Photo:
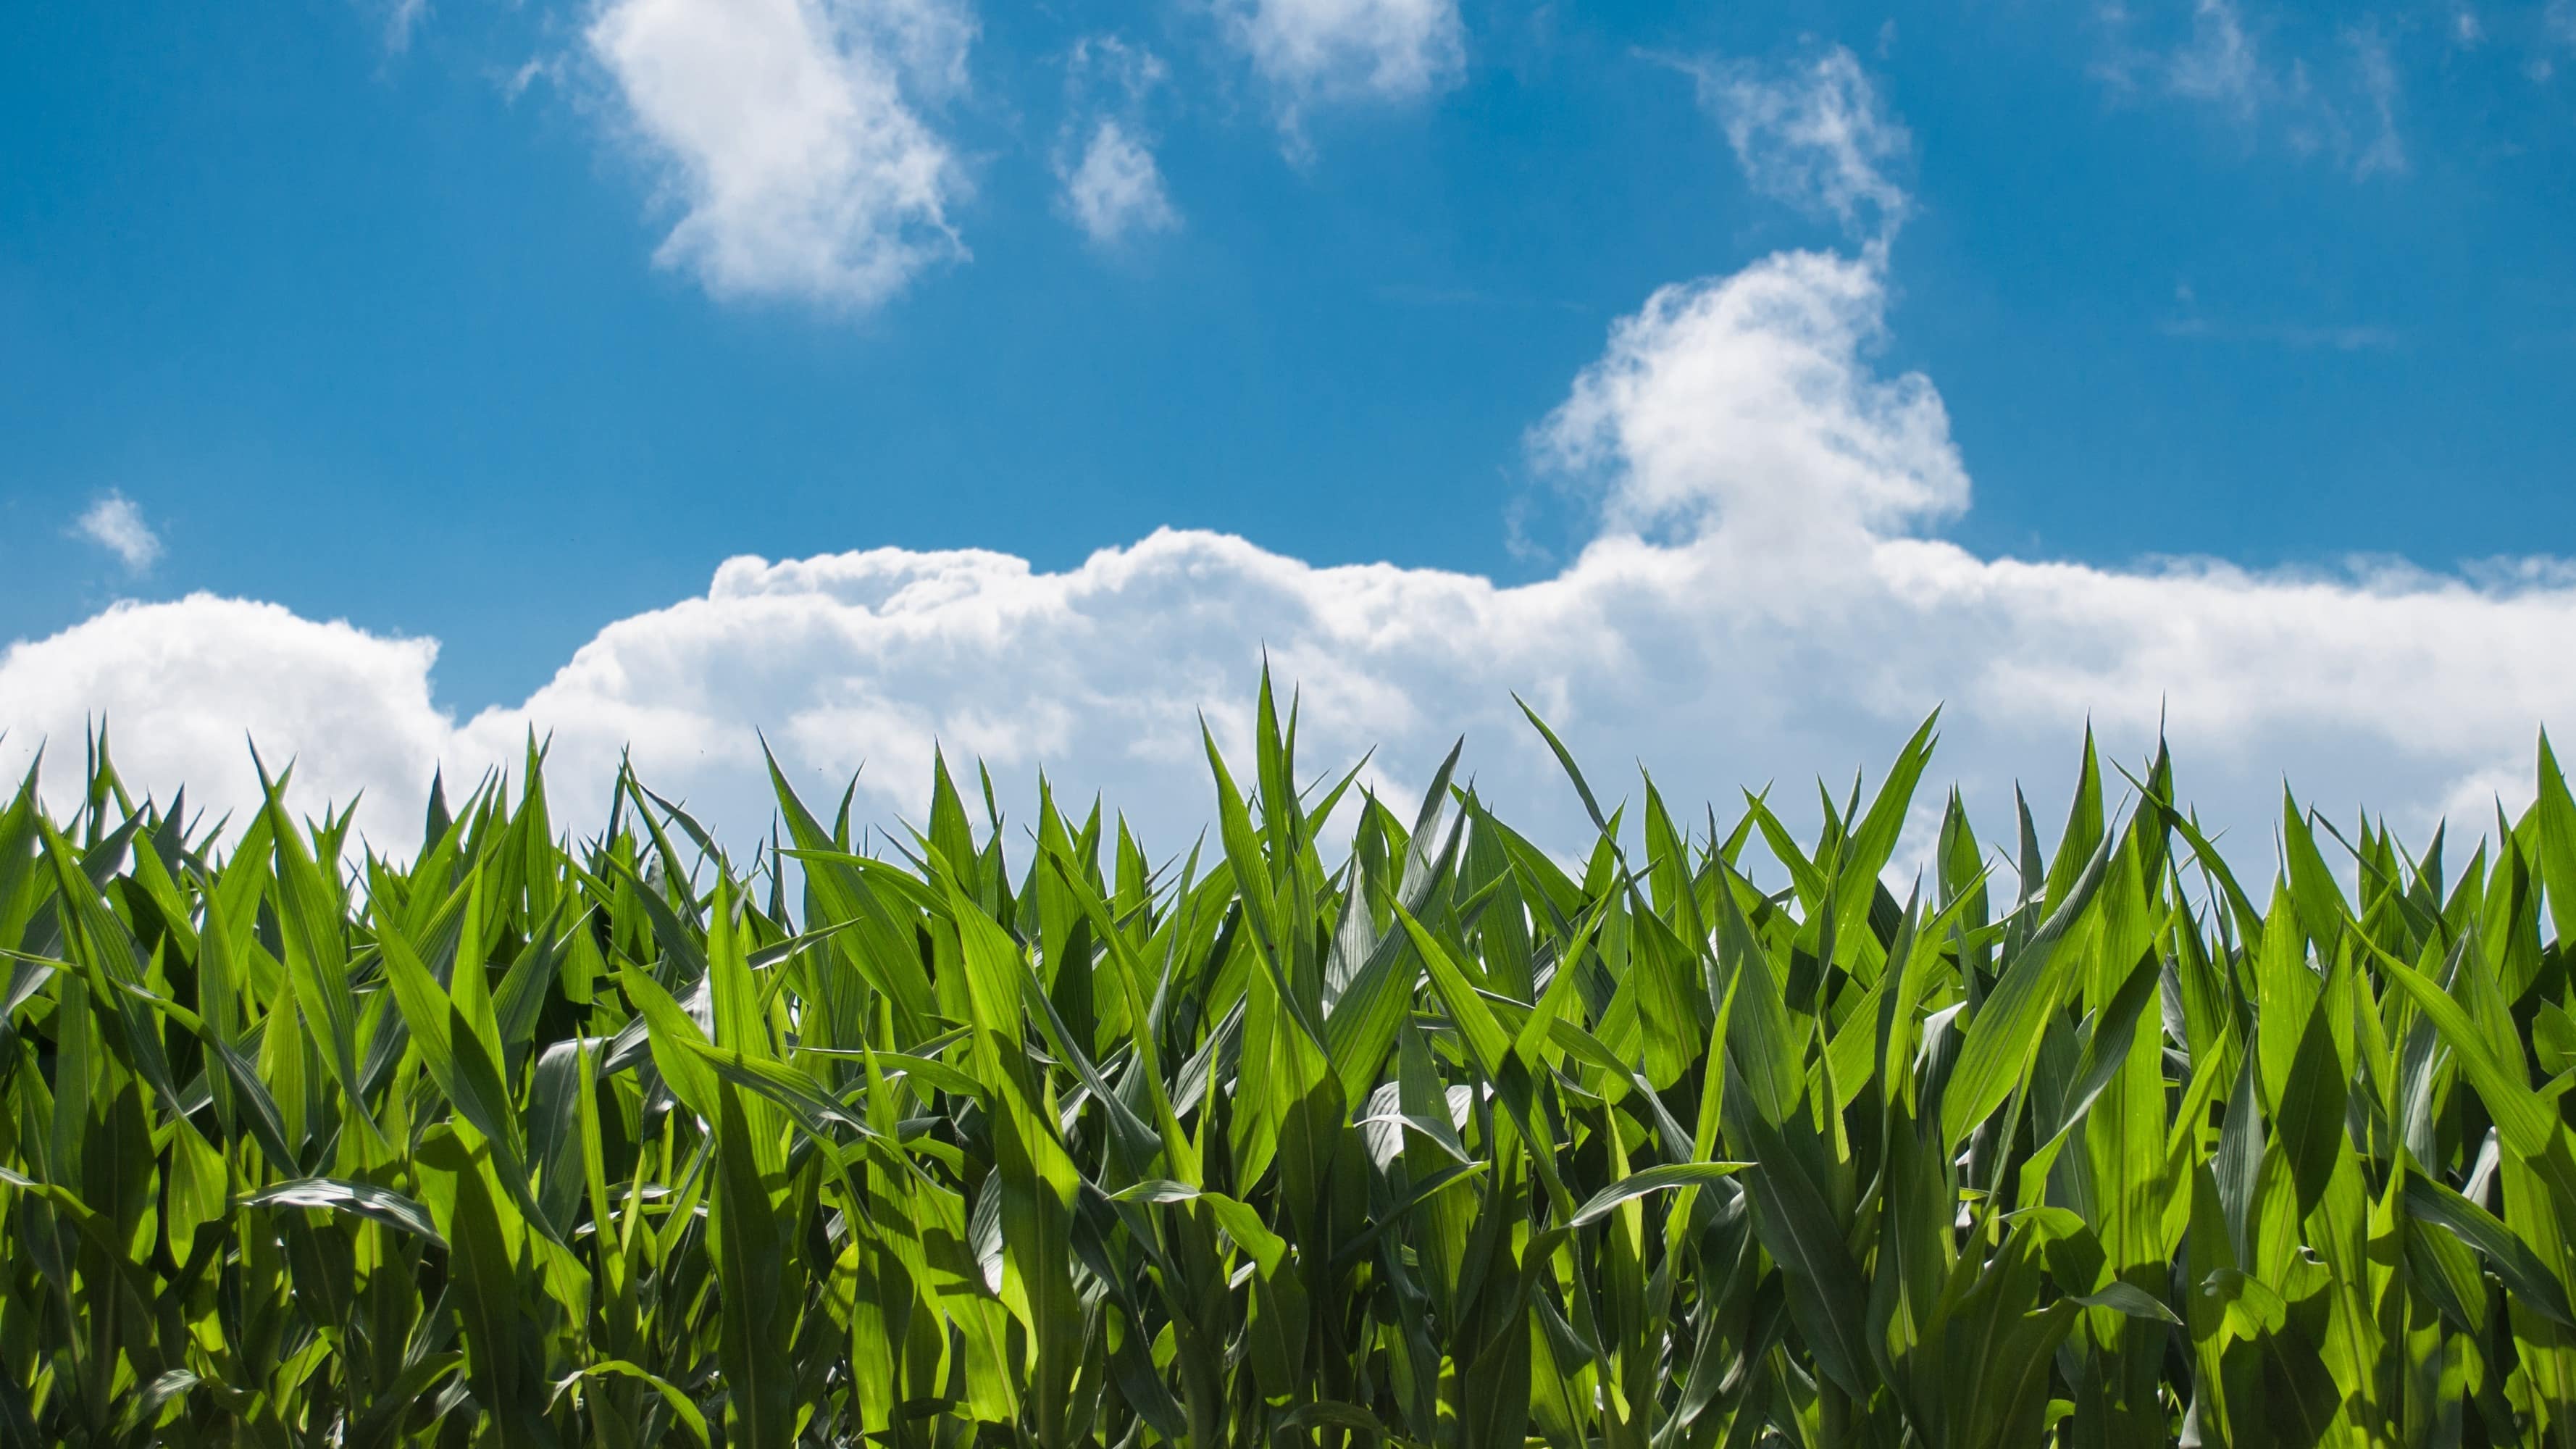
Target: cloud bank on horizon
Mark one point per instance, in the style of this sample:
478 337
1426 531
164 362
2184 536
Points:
1766 597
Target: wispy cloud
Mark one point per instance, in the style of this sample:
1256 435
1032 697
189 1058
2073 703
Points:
1812 133
547 66
2338 95
2557 32
2220 62
2349 338
402 18
1320 53
1109 183
1116 191
115 524
2385 152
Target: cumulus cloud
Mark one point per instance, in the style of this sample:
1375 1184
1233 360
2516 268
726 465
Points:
115 524
185 685
790 136
1329 52
1740 409
1767 598
1815 135
2414 692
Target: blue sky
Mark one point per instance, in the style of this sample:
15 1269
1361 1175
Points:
364 332
439 320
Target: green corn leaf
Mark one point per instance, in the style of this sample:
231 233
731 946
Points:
1654 1179
682 1408
2005 1032
357 1199
1361 1135
2510 1258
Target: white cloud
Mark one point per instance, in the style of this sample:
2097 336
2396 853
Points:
1814 134
1764 600
2271 83
789 135
1110 185
402 17
115 524
1110 62
184 685
545 66
2386 151
1739 409
1327 52
1116 191
2220 63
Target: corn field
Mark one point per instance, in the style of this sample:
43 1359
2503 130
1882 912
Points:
1004 1133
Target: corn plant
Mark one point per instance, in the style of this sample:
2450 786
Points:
990 1133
